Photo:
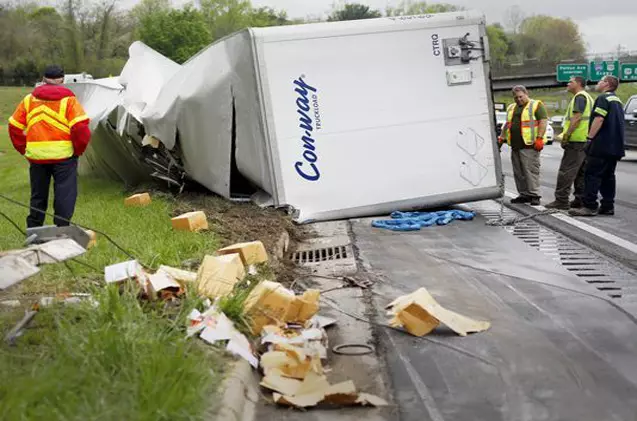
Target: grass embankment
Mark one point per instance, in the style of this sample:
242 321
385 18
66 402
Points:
122 359
625 91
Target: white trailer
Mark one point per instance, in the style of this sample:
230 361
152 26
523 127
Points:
334 120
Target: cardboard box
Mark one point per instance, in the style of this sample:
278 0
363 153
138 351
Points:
304 307
251 253
191 221
140 199
268 303
218 275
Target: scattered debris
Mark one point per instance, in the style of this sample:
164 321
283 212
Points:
218 275
140 199
44 234
92 239
161 281
16 331
191 221
251 253
419 313
18 265
213 326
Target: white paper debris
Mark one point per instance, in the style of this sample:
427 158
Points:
162 280
240 347
123 271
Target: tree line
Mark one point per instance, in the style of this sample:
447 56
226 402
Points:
93 36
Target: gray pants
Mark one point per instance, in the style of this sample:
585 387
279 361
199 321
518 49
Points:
526 170
570 167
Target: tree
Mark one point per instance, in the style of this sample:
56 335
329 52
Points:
353 11
177 34
410 7
514 18
498 44
550 40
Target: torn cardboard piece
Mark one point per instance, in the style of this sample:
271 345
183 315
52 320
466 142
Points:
15 269
124 271
161 281
419 313
276 382
218 275
179 275
251 253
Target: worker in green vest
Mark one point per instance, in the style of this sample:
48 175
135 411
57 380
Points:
576 124
525 132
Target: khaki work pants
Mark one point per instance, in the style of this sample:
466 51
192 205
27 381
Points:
526 170
572 160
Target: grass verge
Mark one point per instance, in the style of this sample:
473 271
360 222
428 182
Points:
625 91
115 360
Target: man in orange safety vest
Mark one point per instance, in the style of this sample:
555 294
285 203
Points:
50 128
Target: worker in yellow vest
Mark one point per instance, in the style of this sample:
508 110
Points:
525 133
576 125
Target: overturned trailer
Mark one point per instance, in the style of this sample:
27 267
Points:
332 120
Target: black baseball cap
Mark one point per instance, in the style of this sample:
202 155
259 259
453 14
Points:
53 72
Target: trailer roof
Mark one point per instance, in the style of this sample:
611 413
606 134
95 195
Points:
386 24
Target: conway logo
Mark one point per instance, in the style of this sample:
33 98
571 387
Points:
307 100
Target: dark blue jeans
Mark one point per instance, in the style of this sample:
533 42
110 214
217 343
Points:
64 176
599 178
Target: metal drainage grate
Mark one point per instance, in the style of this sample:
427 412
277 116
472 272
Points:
325 254
597 270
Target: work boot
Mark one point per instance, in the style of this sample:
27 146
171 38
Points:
521 199
535 201
607 211
576 203
557 205
582 212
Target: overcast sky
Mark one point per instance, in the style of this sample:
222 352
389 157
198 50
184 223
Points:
604 24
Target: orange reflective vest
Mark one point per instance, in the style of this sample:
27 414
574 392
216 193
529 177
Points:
530 126
47 126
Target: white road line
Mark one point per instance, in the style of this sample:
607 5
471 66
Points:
620 242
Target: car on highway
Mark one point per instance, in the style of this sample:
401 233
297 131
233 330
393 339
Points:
630 118
556 122
501 118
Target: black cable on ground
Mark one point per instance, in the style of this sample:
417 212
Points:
108 238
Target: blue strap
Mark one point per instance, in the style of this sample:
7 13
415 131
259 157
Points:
414 221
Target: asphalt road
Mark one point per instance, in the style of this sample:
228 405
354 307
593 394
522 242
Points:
623 224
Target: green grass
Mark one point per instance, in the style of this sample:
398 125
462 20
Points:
625 91
145 232
121 360
113 361
9 99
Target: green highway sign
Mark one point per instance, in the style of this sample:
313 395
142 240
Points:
629 72
599 69
566 71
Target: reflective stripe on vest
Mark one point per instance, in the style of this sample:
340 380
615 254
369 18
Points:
528 123
49 150
48 131
581 132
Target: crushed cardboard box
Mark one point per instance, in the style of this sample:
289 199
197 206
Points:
160 281
303 307
140 199
191 221
124 271
419 313
251 253
268 303
218 275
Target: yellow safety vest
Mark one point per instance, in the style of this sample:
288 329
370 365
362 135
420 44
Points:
530 126
581 132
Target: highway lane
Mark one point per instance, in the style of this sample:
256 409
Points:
623 224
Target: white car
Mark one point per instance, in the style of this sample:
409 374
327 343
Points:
550 134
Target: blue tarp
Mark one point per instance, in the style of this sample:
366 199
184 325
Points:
414 221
